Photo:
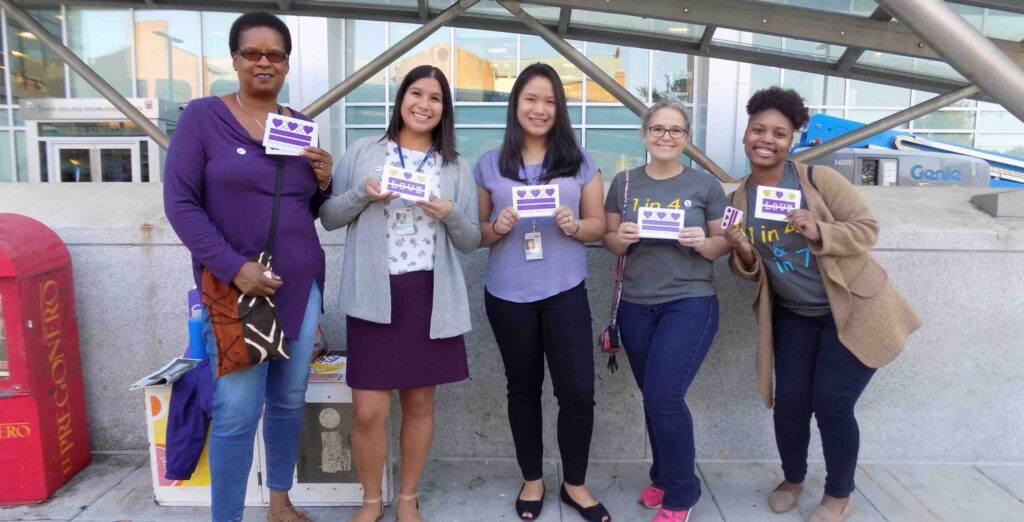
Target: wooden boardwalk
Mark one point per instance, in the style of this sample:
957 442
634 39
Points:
117 488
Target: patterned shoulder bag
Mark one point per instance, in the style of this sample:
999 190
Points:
609 341
247 330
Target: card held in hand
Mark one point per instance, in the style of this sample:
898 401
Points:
660 223
535 201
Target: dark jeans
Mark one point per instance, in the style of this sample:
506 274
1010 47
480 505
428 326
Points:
666 344
815 373
558 328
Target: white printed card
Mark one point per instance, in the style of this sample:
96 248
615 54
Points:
775 203
289 135
733 217
408 184
660 223
535 201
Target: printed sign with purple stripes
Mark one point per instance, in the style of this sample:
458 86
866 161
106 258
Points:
660 223
535 201
288 136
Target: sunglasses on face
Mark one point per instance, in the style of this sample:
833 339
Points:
254 55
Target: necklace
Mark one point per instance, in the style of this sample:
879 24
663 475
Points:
239 100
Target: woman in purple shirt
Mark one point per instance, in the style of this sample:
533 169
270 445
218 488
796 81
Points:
218 196
535 297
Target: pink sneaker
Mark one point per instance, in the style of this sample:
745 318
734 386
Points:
665 515
651 497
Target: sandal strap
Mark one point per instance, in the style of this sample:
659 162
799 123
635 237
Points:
301 514
377 500
413 496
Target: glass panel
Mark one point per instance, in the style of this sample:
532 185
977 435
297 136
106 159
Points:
865 94
361 115
477 115
836 92
21 155
473 143
906 63
167 54
946 120
672 76
491 8
106 47
576 116
616 150
436 50
360 49
35 72
144 160
74 165
1012 144
4 119
956 139
810 86
1004 25
352 135
922 96
533 49
116 165
792 46
835 6
485 65
621 22
627 65
6 166
871 115
762 77
3 75
611 116
1000 121
18 122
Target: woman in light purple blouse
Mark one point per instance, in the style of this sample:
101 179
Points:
535 297
218 196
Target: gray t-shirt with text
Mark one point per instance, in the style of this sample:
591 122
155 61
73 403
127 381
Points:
662 270
792 269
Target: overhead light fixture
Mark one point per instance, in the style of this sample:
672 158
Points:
678 29
26 34
497 50
19 54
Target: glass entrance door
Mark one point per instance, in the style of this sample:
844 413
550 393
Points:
95 162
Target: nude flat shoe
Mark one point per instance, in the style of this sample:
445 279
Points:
824 514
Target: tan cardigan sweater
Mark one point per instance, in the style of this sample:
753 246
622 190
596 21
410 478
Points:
872 320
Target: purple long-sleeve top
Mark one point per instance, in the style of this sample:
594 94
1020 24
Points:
218 197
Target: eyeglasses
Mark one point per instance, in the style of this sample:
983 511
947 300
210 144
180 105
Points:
675 132
254 55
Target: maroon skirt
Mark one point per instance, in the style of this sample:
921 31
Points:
402 354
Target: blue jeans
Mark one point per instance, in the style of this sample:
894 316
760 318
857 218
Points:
666 344
815 373
238 399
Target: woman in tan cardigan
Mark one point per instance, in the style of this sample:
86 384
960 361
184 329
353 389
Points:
827 315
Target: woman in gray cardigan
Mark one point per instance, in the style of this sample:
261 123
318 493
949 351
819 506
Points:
402 287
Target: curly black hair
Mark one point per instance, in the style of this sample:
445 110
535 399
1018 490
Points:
786 101
258 19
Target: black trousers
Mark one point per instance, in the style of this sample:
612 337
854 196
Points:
558 328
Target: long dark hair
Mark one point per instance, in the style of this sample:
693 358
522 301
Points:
563 157
443 135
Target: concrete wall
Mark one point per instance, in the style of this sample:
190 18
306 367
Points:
956 394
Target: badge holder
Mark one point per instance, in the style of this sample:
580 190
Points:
405 221
533 245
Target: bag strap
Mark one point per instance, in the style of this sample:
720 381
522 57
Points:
620 264
277 206
810 176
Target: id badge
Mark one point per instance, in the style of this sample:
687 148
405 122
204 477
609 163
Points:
533 246
405 221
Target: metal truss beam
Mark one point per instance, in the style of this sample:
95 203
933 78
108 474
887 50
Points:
852 54
964 48
76 64
884 124
782 20
386 58
604 80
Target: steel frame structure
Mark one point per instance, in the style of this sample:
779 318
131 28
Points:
928 29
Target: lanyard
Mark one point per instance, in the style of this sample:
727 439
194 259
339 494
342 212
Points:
401 157
526 180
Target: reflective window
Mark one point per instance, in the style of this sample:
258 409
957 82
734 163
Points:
353 135
6 166
616 150
672 76
626 65
35 72
473 143
865 94
102 38
167 54
360 50
870 115
616 115
1000 121
948 137
762 77
436 50
481 115
1012 144
485 65
1004 25
533 49
3 75
363 115
946 120
20 155
810 86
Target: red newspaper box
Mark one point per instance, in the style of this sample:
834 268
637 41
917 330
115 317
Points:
44 438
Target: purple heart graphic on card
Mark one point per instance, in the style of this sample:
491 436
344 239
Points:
648 214
289 134
400 182
292 125
536 201
657 223
307 129
732 216
277 122
661 215
674 216
407 174
776 204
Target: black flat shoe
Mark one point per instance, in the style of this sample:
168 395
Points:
531 507
590 514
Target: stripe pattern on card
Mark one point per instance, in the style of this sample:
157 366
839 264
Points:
775 203
660 223
535 201
733 217
409 185
289 136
